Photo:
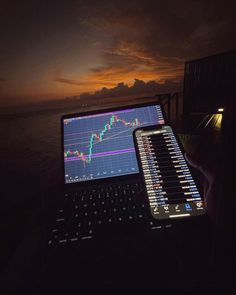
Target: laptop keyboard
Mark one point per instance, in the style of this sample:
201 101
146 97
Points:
85 212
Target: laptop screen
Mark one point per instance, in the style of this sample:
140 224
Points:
101 145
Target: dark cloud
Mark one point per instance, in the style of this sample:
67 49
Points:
67 81
134 60
138 88
184 29
94 44
91 80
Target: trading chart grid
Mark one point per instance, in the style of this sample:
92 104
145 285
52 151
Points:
101 145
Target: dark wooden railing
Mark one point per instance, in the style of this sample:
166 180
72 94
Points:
172 104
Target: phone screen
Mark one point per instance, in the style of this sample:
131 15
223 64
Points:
171 189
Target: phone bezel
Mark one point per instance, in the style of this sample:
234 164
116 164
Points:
192 171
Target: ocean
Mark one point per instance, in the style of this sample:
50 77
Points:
30 149
31 154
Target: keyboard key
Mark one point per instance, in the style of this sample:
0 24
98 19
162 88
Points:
62 241
60 219
84 211
74 239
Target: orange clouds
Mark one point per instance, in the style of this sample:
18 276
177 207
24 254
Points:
84 46
123 63
144 61
138 88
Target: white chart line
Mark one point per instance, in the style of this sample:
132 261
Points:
86 142
80 138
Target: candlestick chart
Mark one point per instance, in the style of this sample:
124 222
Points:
101 145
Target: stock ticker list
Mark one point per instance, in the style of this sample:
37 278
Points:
101 145
171 189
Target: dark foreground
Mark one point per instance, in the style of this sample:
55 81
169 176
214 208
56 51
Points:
192 255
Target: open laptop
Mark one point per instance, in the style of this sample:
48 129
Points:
102 185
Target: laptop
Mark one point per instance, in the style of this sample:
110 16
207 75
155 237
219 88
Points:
103 191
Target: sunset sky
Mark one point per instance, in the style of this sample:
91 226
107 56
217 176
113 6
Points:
55 49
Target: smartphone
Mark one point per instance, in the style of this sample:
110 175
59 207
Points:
171 187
